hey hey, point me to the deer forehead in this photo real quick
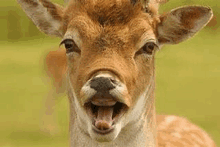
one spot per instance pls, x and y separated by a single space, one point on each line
108 25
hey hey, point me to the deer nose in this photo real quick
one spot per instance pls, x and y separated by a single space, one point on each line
102 84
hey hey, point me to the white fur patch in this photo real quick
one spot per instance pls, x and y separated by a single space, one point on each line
141 103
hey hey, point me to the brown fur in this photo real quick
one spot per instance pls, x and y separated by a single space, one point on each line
56 68
180 132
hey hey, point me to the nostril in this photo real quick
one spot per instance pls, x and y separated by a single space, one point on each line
102 84
113 81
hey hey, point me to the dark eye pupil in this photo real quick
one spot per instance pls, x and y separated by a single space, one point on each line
68 44
149 48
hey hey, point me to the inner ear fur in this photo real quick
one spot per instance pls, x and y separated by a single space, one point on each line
46 15
182 23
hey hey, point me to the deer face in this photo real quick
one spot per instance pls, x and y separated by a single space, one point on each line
110 66
110 48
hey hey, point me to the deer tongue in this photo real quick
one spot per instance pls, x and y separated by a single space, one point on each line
104 117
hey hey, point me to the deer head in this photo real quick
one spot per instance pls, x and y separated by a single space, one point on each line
110 48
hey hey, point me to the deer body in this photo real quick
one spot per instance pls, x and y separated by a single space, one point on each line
110 48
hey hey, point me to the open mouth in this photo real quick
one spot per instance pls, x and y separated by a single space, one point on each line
104 113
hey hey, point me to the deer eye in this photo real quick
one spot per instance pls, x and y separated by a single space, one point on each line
148 49
70 46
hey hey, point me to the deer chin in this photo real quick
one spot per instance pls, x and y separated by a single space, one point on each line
104 114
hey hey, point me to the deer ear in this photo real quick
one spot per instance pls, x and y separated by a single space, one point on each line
182 23
45 15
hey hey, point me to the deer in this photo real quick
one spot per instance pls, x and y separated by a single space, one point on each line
110 48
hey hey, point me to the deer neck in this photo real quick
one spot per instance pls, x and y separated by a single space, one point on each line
138 133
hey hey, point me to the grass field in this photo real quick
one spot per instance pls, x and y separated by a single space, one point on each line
188 84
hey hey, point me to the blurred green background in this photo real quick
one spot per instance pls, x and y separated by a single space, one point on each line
188 79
